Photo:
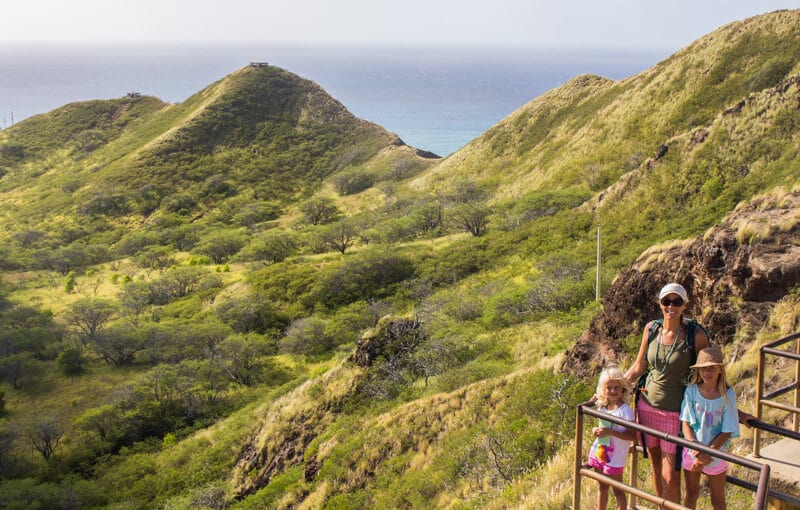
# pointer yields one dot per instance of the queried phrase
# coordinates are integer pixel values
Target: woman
(668, 349)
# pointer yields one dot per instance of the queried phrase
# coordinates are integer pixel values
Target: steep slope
(590, 131)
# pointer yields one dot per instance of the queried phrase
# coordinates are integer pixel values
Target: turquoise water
(436, 99)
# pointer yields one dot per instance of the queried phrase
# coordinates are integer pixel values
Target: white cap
(673, 288)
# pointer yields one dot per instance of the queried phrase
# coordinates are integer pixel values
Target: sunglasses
(678, 301)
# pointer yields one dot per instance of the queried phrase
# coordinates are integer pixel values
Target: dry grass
(657, 254)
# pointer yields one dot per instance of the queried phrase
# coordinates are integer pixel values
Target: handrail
(762, 489)
(761, 425)
(763, 399)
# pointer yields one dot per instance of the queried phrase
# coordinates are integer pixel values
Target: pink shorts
(717, 466)
(665, 421)
(603, 467)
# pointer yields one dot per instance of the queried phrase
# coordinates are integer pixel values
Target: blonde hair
(722, 382)
(612, 374)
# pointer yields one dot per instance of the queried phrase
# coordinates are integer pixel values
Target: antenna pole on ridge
(597, 280)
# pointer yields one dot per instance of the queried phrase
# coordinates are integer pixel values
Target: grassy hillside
(255, 300)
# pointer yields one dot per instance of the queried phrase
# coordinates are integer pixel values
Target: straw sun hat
(709, 357)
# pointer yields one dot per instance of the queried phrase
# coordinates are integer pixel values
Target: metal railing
(761, 489)
(769, 398)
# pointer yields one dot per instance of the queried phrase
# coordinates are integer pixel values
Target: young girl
(609, 451)
(708, 416)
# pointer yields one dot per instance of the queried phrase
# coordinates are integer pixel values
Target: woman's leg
(692, 488)
(717, 485)
(672, 478)
(655, 462)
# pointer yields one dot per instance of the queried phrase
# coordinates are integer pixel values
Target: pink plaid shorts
(665, 421)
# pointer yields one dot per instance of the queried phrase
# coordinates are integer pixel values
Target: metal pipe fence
(761, 489)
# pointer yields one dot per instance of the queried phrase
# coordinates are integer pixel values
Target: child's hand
(697, 466)
(601, 431)
(702, 459)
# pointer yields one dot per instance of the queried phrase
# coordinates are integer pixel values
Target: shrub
(221, 246)
(286, 282)
(179, 203)
(457, 261)
(253, 313)
(273, 247)
(319, 210)
(12, 152)
(368, 275)
(352, 182)
(307, 336)
(70, 361)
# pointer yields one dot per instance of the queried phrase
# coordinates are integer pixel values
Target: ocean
(436, 99)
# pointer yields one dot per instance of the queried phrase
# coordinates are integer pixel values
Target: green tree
(155, 258)
(19, 369)
(340, 236)
(89, 316)
(319, 210)
(253, 313)
(239, 357)
(368, 275)
(221, 246)
(353, 181)
(45, 434)
(119, 344)
(307, 336)
(272, 247)
(134, 298)
(70, 361)
(69, 282)
(472, 218)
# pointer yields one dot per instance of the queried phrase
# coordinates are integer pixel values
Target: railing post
(634, 472)
(759, 395)
(576, 475)
(797, 387)
(763, 488)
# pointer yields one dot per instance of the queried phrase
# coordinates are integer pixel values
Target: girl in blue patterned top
(708, 416)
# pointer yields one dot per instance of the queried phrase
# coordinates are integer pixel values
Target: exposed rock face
(392, 338)
(734, 275)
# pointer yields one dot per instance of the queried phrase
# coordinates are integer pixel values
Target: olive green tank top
(669, 372)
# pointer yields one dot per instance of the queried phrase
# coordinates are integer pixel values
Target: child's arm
(688, 432)
(625, 435)
(700, 458)
(719, 441)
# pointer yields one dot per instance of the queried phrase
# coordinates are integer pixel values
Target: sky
(669, 24)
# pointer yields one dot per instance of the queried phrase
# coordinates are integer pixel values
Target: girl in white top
(609, 452)
(708, 416)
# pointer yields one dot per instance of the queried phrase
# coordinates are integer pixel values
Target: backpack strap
(691, 330)
(653, 331)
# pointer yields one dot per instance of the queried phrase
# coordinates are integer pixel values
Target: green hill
(253, 299)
